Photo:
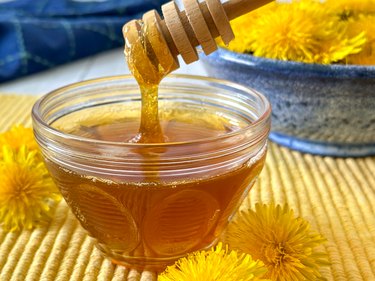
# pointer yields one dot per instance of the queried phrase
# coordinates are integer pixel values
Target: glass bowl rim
(59, 91)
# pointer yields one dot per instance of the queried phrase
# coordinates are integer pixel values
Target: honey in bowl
(156, 214)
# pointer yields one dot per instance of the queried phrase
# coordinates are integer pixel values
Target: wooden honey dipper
(180, 32)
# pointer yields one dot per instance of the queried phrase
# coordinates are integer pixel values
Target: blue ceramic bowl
(318, 109)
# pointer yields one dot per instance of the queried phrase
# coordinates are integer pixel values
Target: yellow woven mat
(336, 195)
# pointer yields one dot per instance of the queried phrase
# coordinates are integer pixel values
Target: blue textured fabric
(40, 34)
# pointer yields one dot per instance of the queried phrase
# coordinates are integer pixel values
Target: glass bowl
(149, 204)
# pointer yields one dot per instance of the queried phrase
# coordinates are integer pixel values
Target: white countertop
(104, 64)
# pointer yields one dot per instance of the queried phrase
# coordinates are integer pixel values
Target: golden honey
(151, 216)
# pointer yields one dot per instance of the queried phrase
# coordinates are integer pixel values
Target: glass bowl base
(151, 264)
(139, 263)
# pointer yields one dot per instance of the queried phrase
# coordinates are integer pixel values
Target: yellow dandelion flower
(216, 265)
(352, 8)
(337, 47)
(27, 192)
(284, 243)
(364, 24)
(304, 31)
(18, 136)
(241, 42)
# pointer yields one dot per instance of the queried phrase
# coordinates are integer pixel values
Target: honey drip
(149, 61)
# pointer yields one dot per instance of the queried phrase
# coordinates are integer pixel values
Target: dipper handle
(198, 24)
(236, 8)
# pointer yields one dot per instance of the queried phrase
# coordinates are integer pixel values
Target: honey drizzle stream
(150, 130)
(149, 63)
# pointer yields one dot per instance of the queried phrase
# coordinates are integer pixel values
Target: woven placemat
(337, 196)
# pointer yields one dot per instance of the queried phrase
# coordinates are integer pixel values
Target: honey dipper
(180, 32)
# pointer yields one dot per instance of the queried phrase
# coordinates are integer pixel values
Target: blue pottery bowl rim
(300, 68)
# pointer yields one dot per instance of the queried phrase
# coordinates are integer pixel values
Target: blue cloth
(40, 34)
